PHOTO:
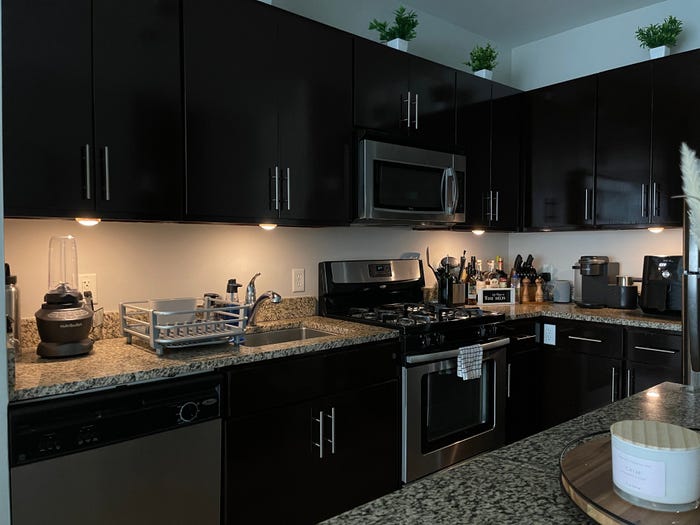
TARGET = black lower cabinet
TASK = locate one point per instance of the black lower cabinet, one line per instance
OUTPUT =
(524, 358)
(309, 438)
(652, 357)
(582, 369)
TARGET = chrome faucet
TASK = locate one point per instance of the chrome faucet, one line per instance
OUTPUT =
(250, 290)
(274, 297)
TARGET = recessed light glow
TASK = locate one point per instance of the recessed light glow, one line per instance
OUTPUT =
(656, 229)
(478, 232)
(653, 393)
(268, 227)
(88, 221)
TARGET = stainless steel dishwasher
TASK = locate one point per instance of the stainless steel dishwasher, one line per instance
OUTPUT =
(143, 454)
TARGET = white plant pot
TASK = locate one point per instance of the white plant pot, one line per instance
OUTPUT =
(484, 73)
(659, 52)
(398, 43)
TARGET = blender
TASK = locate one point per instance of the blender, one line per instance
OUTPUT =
(64, 320)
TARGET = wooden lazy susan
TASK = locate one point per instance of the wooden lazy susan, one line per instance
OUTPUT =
(586, 477)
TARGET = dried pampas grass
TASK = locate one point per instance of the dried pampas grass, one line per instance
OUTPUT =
(690, 172)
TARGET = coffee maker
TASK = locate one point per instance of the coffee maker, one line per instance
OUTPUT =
(597, 272)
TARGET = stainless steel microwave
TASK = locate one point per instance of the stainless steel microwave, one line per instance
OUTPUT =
(406, 185)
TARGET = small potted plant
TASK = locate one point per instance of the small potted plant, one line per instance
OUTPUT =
(659, 38)
(482, 60)
(403, 30)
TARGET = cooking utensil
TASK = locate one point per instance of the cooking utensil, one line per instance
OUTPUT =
(449, 262)
(427, 259)
(518, 264)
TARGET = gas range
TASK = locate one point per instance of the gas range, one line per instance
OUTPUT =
(389, 293)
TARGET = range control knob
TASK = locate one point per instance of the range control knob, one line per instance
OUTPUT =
(188, 412)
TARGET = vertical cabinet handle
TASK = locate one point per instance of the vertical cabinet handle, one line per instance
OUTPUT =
(331, 416)
(87, 188)
(319, 444)
(629, 382)
(289, 192)
(416, 108)
(655, 203)
(497, 214)
(407, 100)
(644, 200)
(105, 158)
(612, 386)
(508, 382)
(585, 205)
(276, 198)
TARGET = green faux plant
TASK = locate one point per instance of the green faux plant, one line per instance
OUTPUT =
(664, 34)
(482, 57)
(404, 26)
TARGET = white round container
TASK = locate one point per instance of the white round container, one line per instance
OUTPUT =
(656, 465)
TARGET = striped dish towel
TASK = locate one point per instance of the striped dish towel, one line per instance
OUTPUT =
(469, 362)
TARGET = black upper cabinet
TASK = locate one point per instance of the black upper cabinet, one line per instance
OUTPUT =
(676, 84)
(623, 145)
(560, 165)
(489, 130)
(269, 126)
(93, 114)
(404, 96)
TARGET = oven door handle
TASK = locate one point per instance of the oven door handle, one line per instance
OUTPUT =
(449, 354)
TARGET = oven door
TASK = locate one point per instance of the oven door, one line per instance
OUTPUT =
(447, 419)
(407, 185)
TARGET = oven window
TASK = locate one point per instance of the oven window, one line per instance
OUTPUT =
(454, 409)
(410, 187)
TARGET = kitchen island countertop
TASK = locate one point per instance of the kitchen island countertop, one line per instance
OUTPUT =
(519, 483)
(113, 362)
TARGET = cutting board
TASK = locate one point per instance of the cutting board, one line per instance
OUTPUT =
(586, 476)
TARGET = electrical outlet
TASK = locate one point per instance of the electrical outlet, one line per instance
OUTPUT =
(550, 334)
(298, 280)
(88, 281)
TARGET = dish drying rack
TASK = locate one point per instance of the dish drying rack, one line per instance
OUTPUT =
(213, 321)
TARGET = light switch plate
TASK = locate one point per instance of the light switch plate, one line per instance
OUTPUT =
(550, 334)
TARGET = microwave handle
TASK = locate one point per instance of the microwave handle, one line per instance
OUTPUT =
(449, 179)
(443, 190)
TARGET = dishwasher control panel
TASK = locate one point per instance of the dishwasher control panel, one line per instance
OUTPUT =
(50, 428)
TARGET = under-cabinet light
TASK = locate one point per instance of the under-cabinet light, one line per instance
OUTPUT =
(88, 221)
(478, 232)
(268, 226)
(656, 229)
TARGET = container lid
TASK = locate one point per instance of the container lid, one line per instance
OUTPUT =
(656, 435)
(594, 259)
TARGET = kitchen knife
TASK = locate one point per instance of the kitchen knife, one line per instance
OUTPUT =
(518, 264)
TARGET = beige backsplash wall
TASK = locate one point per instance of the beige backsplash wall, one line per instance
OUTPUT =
(557, 251)
(136, 261)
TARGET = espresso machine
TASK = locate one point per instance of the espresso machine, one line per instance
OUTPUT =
(596, 272)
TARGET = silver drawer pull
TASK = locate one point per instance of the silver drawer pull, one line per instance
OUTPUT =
(332, 439)
(525, 337)
(508, 387)
(585, 339)
(319, 419)
(661, 350)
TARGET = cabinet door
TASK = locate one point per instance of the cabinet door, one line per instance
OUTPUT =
(138, 109)
(47, 107)
(381, 88)
(560, 171)
(315, 121)
(474, 135)
(361, 451)
(523, 403)
(623, 146)
(506, 159)
(271, 467)
(561, 385)
(432, 87)
(231, 110)
(675, 120)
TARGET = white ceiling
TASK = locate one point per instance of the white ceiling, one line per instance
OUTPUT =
(516, 22)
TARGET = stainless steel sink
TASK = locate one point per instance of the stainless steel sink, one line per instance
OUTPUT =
(286, 335)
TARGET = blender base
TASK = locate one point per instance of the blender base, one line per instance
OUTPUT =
(46, 349)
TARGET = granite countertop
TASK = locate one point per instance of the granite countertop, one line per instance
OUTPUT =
(114, 362)
(519, 483)
(635, 318)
